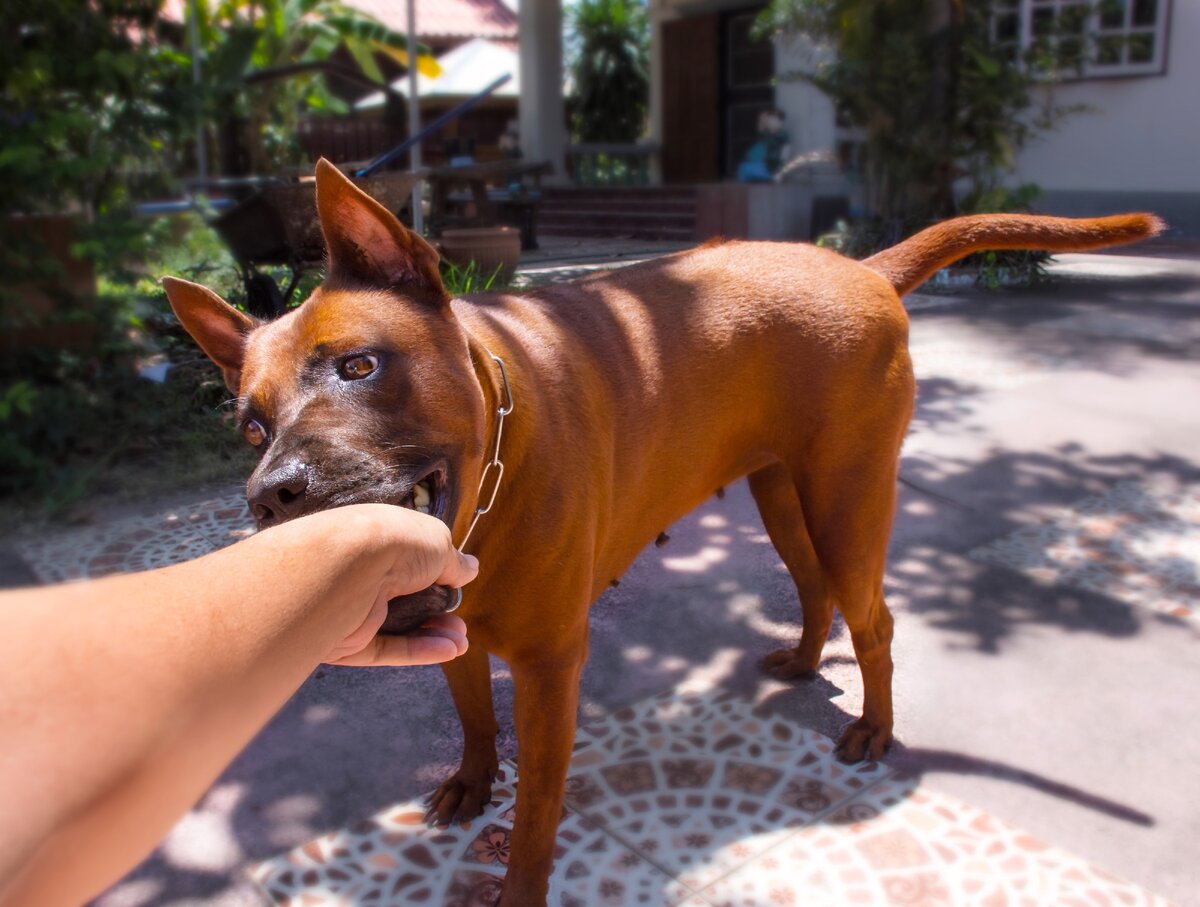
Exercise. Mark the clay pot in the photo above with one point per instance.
(488, 247)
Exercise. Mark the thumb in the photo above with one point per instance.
(459, 569)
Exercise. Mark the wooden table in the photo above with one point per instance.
(514, 200)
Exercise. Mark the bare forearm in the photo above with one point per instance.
(151, 683)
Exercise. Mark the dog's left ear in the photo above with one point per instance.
(219, 328)
(365, 241)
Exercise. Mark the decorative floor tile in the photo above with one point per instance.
(1139, 543)
(695, 801)
(139, 543)
(394, 858)
(700, 785)
(897, 844)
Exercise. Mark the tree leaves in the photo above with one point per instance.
(933, 95)
(610, 66)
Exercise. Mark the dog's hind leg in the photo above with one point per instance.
(464, 794)
(849, 499)
(775, 493)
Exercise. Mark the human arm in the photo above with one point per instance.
(121, 700)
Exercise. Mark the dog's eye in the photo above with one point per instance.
(254, 432)
(358, 366)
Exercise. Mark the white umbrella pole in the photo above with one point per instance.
(201, 143)
(414, 116)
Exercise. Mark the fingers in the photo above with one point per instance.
(422, 550)
(459, 569)
(442, 638)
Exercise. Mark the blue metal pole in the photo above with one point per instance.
(388, 156)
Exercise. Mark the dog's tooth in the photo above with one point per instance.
(422, 498)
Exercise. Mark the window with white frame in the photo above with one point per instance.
(1086, 38)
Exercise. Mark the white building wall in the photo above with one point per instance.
(1143, 134)
(809, 112)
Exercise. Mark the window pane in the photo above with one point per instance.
(1072, 19)
(1145, 12)
(747, 69)
(1007, 26)
(1043, 22)
(1141, 48)
(1112, 14)
(1070, 53)
(1109, 50)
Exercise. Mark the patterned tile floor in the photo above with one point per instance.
(140, 542)
(693, 800)
(1139, 543)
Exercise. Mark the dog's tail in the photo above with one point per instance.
(912, 262)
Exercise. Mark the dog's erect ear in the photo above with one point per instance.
(218, 327)
(366, 243)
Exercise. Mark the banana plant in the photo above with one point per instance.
(238, 38)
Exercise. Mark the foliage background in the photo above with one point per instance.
(99, 110)
(608, 52)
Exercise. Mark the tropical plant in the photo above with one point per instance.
(241, 38)
(941, 105)
(609, 48)
(89, 105)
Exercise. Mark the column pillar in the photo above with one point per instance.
(655, 14)
(541, 108)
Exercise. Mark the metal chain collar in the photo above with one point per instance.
(494, 466)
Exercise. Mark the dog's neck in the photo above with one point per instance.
(492, 375)
(487, 373)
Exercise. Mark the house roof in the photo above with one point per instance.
(446, 18)
(466, 71)
(435, 18)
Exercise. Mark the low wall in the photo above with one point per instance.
(768, 210)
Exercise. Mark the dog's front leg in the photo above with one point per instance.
(546, 696)
(464, 794)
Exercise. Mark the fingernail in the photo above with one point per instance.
(471, 561)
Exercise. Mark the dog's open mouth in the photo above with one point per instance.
(428, 495)
(408, 612)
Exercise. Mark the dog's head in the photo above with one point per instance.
(366, 392)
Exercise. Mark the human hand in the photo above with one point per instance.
(441, 638)
(416, 551)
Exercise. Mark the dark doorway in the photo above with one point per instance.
(747, 85)
(691, 99)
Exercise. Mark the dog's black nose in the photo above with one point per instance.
(278, 495)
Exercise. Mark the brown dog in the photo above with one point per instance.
(637, 394)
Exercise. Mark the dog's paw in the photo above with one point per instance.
(461, 798)
(786, 664)
(863, 740)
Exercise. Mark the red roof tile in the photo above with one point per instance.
(435, 18)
